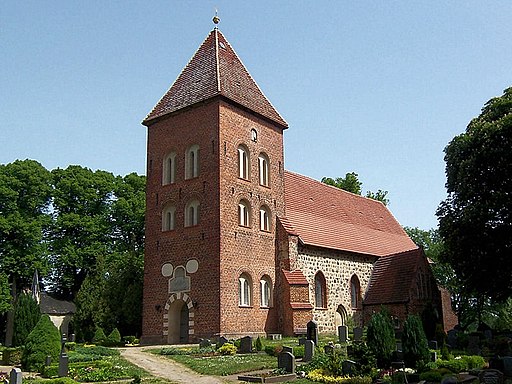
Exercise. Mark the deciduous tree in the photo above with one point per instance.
(351, 183)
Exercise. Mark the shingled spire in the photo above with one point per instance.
(215, 70)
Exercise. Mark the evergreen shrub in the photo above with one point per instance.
(414, 343)
(114, 338)
(44, 340)
(99, 336)
(258, 344)
(27, 314)
(380, 337)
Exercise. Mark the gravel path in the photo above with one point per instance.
(168, 369)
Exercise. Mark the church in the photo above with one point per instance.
(237, 245)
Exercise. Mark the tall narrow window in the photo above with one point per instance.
(168, 218)
(320, 291)
(169, 169)
(265, 291)
(192, 162)
(192, 213)
(243, 162)
(355, 292)
(264, 218)
(244, 213)
(244, 290)
(263, 169)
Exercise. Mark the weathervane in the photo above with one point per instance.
(216, 19)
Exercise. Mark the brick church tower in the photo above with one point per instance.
(215, 186)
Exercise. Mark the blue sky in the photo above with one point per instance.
(375, 87)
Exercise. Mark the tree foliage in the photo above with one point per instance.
(380, 337)
(5, 294)
(27, 315)
(475, 221)
(351, 183)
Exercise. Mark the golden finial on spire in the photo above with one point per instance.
(216, 19)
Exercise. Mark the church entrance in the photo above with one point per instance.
(178, 318)
(341, 316)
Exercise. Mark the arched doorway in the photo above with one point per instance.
(178, 320)
(341, 316)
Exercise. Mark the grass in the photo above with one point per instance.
(226, 365)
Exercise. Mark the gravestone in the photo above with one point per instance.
(342, 334)
(15, 376)
(507, 365)
(204, 343)
(358, 333)
(451, 338)
(432, 344)
(348, 367)
(473, 345)
(433, 356)
(309, 350)
(286, 362)
(329, 349)
(287, 349)
(398, 346)
(246, 344)
(222, 341)
(490, 376)
(312, 331)
(63, 358)
(488, 334)
(302, 341)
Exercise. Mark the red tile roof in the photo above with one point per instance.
(329, 217)
(393, 277)
(295, 277)
(215, 70)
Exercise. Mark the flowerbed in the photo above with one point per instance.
(321, 376)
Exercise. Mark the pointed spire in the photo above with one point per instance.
(215, 70)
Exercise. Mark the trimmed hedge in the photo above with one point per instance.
(44, 340)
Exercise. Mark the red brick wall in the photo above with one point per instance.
(247, 250)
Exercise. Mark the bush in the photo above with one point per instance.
(435, 375)
(12, 356)
(414, 343)
(27, 314)
(273, 350)
(70, 345)
(320, 376)
(258, 344)
(44, 340)
(380, 338)
(114, 339)
(227, 349)
(365, 358)
(99, 336)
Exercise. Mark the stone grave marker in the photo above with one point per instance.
(309, 350)
(433, 356)
(474, 345)
(507, 365)
(348, 367)
(342, 334)
(432, 344)
(451, 338)
(329, 348)
(222, 340)
(286, 362)
(312, 331)
(204, 343)
(15, 376)
(490, 376)
(246, 344)
(287, 349)
(302, 341)
(358, 333)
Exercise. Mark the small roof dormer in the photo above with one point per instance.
(215, 70)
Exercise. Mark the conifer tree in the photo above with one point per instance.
(414, 342)
(44, 340)
(26, 316)
(380, 337)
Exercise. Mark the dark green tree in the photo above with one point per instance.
(44, 340)
(26, 315)
(414, 343)
(5, 294)
(351, 183)
(82, 230)
(380, 337)
(475, 221)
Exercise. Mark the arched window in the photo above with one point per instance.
(244, 290)
(169, 169)
(320, 291)
(355, 292)
(192, 213)
(263, 169)
(244, 213)
(265, 291)
(192, 162)
(168, 218)
(264, 218)
(243, 163)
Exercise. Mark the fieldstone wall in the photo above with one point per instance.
(338, 269)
